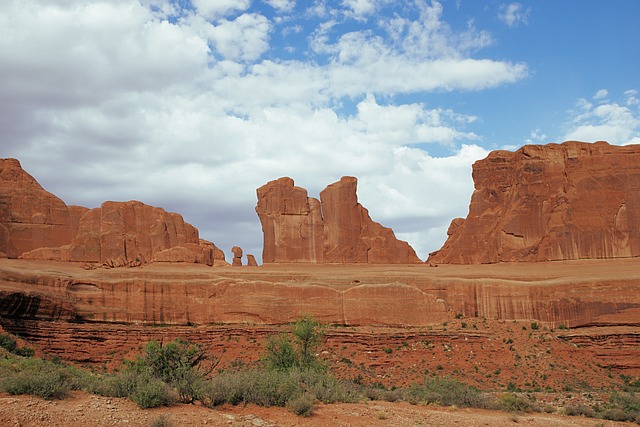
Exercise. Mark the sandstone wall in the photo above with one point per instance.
(564, 201)
(162, 295)
(336, 229)
(35, 224)
(30, 217)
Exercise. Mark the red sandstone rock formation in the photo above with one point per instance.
(351, 236)
(35, 224)
(30, 217)
(291, 223)
(237, 256)
(251, 261)
(338, 229)
(130, 233)
(554, 202)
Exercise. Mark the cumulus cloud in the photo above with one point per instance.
(281, 5)
(245, 38)
(188, 108)
(215, 9)
(514, 14)
(606, 120)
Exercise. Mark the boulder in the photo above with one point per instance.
(573, 200)
(30, 216)
(334, 229)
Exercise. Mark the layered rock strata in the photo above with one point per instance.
(569, 294)
(334, 229)
(564, 201)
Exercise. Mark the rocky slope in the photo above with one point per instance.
(554, 202)
(334, 229)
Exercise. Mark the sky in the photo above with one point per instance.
(191, 105)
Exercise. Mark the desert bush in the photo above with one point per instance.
(151, 392)
(626, 407)
(38, 377)
(162, 421)
(9, 343)
(511, 402)
(446, 392)
(579, 409)
(302, 405)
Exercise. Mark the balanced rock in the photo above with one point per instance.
(334, 229)
(30, 216)
(553, 202)
(237, 256)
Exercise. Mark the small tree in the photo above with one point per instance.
(176, 364)
(298, 350)
(308, 336)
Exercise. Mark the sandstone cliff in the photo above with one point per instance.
(336, 229)
(30, 217)
(131, 233)
(564, 201)
(35, 224)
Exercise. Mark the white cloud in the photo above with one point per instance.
(215, 9)
(601, 94)
(361, 8)
(282, 5)
(179, 109)
(245, 38)
(608, 121)
(536, 137)
(514, 14)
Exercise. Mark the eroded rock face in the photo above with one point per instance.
(336, 229)
(291, 223)
(554, 202)
(30, 216)
(130, 233)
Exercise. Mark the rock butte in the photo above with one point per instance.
(35, 224)
(573, 200)
(334, 229)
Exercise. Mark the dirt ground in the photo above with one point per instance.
(82, 409)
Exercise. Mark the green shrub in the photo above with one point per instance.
(38, 377)
(511, 402)
(626, 407)
(302, 405)
(151, 393)
(447, 392)
(8, 343)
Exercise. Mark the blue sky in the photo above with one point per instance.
(192, 105)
